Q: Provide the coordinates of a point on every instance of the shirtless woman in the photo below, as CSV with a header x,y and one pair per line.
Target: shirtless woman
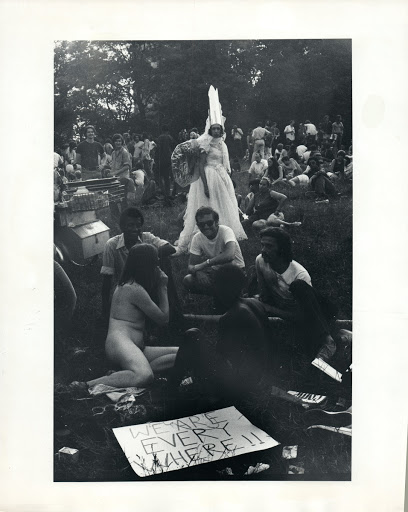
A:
x,y
140,294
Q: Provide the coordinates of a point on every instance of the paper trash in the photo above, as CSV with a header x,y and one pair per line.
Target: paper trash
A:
x,y
289,452
158,447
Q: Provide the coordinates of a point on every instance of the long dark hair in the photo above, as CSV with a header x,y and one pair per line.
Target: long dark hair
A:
x,y
142,267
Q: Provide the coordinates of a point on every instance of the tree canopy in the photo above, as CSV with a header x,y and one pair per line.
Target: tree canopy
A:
x,y
139,85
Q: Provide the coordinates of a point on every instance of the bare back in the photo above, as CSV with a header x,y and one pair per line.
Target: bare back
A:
x,y
126,319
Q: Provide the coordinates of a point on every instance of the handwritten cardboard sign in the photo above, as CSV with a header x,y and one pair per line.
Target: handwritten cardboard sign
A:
x,y
162,446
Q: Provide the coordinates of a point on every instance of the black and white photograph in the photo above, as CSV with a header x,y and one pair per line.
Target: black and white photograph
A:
x,y
203,260
203,306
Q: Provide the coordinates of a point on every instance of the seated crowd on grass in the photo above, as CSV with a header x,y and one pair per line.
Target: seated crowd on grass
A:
x,y
140,263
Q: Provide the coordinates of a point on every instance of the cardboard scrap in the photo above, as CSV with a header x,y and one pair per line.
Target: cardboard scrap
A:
x,y
289,452
158,447
327,369
257,469
296,470
69,454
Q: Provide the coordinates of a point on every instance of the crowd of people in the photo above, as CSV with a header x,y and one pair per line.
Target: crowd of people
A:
x,y
215,221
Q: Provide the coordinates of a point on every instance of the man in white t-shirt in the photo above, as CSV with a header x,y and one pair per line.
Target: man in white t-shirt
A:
x,y
258,167
311,132
289,132
212,246
258,135
285,288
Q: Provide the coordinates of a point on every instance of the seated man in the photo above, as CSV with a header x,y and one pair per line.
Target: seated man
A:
x,y
242,354
286,291
117,250
213,246
258,167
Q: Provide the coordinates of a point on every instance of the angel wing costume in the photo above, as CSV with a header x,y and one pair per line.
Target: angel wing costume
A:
x,y
217,170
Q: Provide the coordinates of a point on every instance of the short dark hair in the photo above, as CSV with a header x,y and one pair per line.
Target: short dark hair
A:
x,y
118,136
90,126
206,210
314,158
132,212
165,128
283,239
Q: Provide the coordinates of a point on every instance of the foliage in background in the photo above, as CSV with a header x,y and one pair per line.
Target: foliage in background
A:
x,y
140,85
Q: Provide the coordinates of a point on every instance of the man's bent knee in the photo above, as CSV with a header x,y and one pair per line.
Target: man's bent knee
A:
x,y
188,281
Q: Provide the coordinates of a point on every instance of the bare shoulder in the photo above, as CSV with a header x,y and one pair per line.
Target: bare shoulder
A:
x,y
132,291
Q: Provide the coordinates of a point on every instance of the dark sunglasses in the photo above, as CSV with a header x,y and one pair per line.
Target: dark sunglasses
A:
x,y
209,223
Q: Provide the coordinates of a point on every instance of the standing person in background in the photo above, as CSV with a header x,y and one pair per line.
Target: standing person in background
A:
x,y
107,147
183,135
194,133
89,154
121,166
259,134
137,153
289,132
301,134
130,145
164,150
326,125
275,136
146,157
311,132
237,135
337,132
268,140
250,144
70,153
321,136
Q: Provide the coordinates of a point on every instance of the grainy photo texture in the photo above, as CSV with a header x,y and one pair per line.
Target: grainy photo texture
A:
x,y
203,260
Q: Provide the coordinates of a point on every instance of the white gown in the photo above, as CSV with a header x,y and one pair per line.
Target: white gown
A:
x,y
222,197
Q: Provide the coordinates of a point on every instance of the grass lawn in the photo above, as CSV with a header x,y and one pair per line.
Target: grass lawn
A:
x,y
323,244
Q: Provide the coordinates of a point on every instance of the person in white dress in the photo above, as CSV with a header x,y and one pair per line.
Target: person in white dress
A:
x,y
211,184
